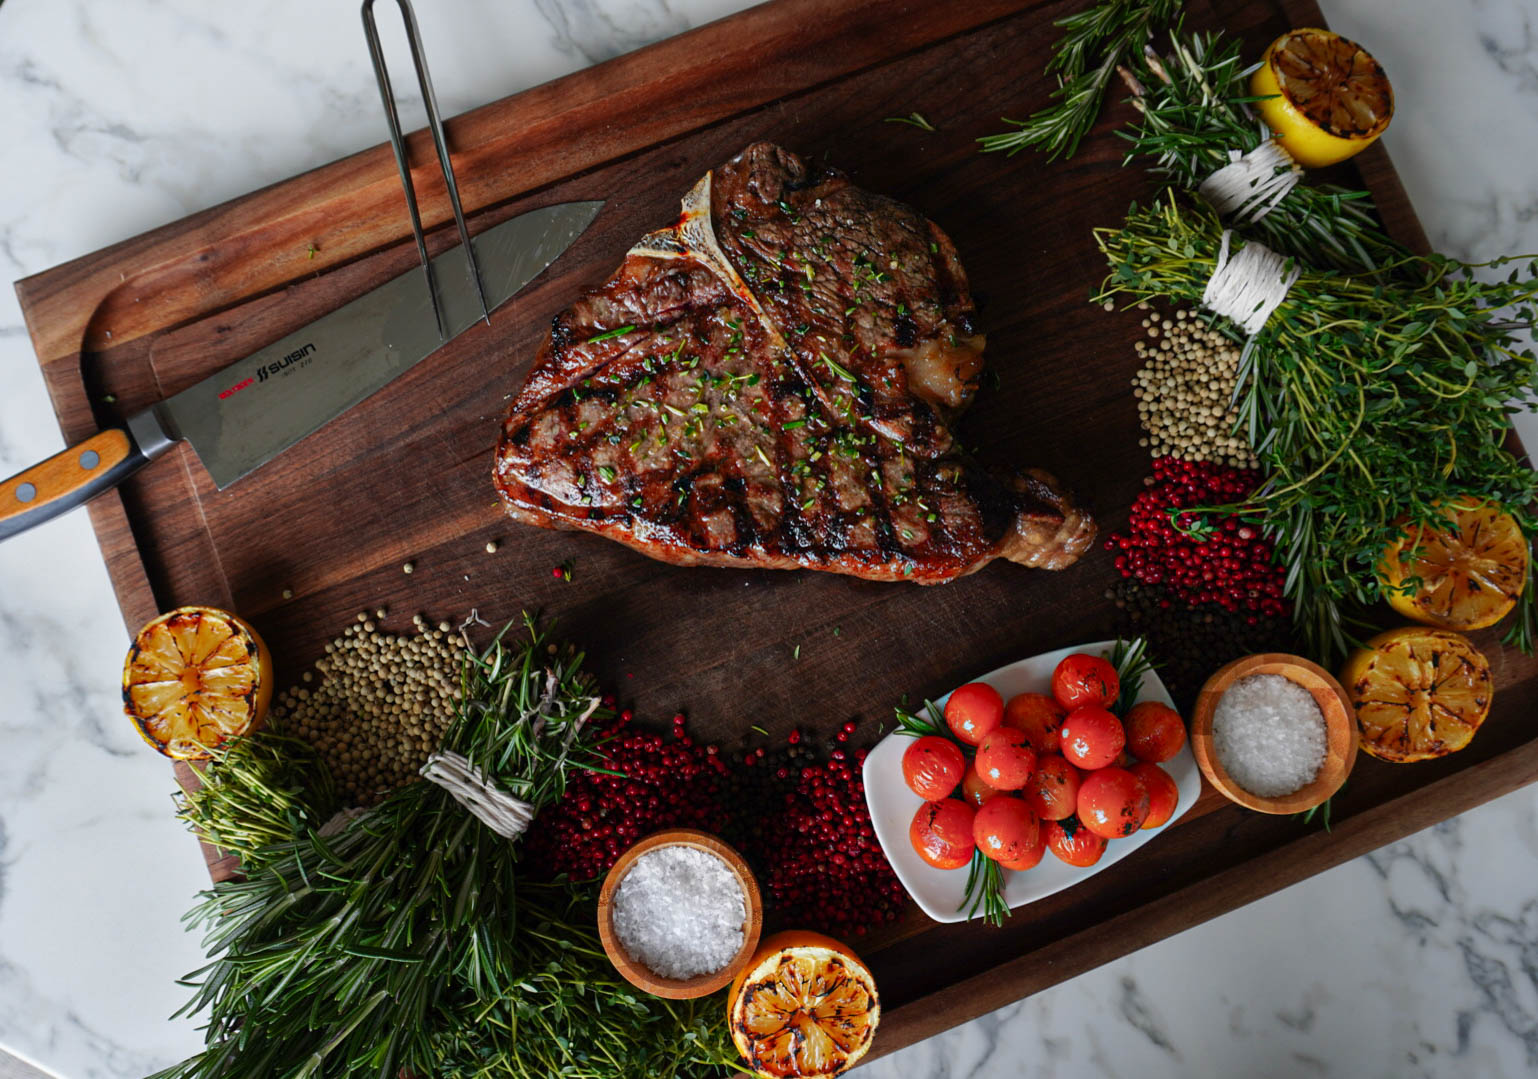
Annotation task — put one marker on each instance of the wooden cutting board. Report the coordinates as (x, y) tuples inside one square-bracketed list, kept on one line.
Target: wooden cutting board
[(406, 475)]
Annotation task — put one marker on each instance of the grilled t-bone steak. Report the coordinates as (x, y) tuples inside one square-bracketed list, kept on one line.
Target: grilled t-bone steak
[(768, 384)]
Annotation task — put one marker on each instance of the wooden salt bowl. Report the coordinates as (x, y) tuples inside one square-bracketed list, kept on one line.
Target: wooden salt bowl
[(1339, 721), (701, 984)]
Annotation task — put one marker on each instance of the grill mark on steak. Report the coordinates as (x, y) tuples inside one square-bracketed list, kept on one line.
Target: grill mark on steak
[(770, 383)]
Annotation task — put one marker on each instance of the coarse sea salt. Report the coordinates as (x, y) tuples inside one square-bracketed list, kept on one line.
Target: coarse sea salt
[(679, 912), (1269, 734)]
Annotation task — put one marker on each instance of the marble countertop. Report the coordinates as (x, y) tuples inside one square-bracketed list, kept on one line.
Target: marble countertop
[(1418, 960)]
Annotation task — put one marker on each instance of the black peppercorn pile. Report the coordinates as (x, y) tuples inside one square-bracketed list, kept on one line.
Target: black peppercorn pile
[(796, 812), (1188, 644)]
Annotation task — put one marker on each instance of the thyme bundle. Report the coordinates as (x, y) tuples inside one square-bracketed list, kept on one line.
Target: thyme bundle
[(407, 940), (573, 1016), (1369, 400), (1084, 60)]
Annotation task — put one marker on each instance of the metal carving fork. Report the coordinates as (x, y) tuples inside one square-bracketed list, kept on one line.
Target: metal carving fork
[(398, 143)]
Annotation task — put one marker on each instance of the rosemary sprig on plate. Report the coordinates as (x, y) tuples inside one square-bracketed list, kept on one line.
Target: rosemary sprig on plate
[(1369, 400), (1130, 658), (917, 725), (1084, 60), (985, 890)]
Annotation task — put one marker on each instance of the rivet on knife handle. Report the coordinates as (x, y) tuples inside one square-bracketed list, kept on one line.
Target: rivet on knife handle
[(440, 143)]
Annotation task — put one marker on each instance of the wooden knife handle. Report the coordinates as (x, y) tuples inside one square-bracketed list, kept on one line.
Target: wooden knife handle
[(67, 480)]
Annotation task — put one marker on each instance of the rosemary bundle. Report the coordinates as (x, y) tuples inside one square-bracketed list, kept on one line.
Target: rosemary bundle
[(1084, 60), (1369, 400), (406, 940), (1193, 109)]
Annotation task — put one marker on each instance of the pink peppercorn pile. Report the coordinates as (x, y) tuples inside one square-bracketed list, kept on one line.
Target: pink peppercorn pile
[(796, 813), (661, 784), (1230, 567)]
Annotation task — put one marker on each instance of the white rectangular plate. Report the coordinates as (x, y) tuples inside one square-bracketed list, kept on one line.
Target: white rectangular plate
[(939, 892)]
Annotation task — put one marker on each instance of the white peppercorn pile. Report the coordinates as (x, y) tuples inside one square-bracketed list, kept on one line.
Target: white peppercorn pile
[(1184, 389), (380, 706)]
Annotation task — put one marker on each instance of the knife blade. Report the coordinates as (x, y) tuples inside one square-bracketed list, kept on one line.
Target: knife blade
[(245, 414)]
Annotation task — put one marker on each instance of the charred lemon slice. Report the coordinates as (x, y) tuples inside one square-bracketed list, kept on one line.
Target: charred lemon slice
[(193, 679), (1471, 572), (1326, 98), (803, 1006), (1419, 693)]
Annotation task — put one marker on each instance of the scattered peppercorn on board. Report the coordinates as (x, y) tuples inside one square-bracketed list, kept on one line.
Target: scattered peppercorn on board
[(403, 480)]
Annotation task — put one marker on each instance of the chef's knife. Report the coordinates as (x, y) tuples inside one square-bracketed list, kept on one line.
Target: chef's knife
[(247, 413)]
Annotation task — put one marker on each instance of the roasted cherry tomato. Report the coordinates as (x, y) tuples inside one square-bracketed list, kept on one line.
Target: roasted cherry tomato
[(1005, 759), (1082, 679), (1112, 803), (974, 710), (942, 833), (1053, 789), (1039, 716), (1032, 858), (1092, 737), (1072, 842), (1155, 731), (932, 766), (975, 789), (1008, 832), (1163, 794)]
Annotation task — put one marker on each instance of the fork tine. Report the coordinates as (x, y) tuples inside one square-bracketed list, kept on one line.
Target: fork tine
[(440, 143)]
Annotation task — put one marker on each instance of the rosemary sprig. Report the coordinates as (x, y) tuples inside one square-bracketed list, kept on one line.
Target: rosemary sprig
[(257, 793), (1523, 631), (1194, 109), (1084, 60), (985, 890), (1322, 811), (913, 119), (1369, 401), (1130, 658), (917, 726), (407, 939)]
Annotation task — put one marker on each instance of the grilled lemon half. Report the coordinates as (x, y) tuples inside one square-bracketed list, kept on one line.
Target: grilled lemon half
[(1326, 98), (1471, 572), (1419, 693), (803, 1006), (194, 678)]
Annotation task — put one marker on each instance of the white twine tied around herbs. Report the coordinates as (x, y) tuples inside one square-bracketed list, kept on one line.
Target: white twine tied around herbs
[(1252, 184), (1249, 287), (474, 789)]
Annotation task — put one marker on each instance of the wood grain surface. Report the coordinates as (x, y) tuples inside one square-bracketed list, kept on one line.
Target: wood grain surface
[(406, 475)]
